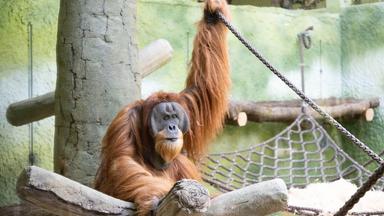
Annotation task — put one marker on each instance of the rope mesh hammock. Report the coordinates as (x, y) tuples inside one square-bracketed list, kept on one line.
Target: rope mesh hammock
[(301, 154)]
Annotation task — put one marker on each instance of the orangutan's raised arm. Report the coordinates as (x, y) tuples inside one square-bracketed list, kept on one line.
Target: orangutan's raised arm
[(208, 81)]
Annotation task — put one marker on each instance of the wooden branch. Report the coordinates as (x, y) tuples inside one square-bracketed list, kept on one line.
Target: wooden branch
[(30, 110), (62, 196), (258, 199), (26, 111), (287, 111), (187, 197), (154, 56)]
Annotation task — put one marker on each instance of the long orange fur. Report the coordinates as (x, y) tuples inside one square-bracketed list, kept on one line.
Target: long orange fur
[(123, 172)]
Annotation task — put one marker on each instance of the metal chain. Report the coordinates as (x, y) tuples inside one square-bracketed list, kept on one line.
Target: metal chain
[(307, 100)]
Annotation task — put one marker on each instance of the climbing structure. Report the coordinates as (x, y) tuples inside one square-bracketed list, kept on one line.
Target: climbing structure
[(301, 154)]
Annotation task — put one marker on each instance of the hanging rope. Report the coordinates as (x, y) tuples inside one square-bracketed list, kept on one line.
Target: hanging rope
[(361, 191), (307, 100)]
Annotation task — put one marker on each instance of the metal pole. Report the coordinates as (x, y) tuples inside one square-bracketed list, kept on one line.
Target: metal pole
[(304, 42), (302, 62), (31, 157)]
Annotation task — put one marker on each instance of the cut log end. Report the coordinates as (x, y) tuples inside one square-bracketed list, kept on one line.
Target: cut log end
[(369, 114), (238, 119), (242, 119)]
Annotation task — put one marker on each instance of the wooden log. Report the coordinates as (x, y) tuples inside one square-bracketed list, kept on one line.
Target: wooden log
[(151, 58), (154, 56), (287, 111), (187, 197), (259, 199), (30, 110), (62, 196)]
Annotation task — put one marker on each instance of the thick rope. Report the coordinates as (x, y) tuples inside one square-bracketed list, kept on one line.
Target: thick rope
[(361, 191), (307, 100)]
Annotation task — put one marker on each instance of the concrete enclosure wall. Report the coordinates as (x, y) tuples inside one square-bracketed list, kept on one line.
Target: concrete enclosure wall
[(352, 52)]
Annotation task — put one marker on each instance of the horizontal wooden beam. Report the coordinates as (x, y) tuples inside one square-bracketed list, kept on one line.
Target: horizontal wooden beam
[(151, 57), (61, 196), (287, 111), (239, 112), (154, 56), (30, 110), (259, 199)]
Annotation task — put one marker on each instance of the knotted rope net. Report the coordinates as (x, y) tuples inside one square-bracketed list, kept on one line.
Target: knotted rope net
[(301, 154)]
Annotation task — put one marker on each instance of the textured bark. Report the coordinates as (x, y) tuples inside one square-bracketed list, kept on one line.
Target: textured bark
[(97, 75), (259, 199), (62, 196), (151, 58), (187, 197)]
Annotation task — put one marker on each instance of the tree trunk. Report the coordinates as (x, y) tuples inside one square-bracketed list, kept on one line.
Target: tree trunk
[(97, 75)]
